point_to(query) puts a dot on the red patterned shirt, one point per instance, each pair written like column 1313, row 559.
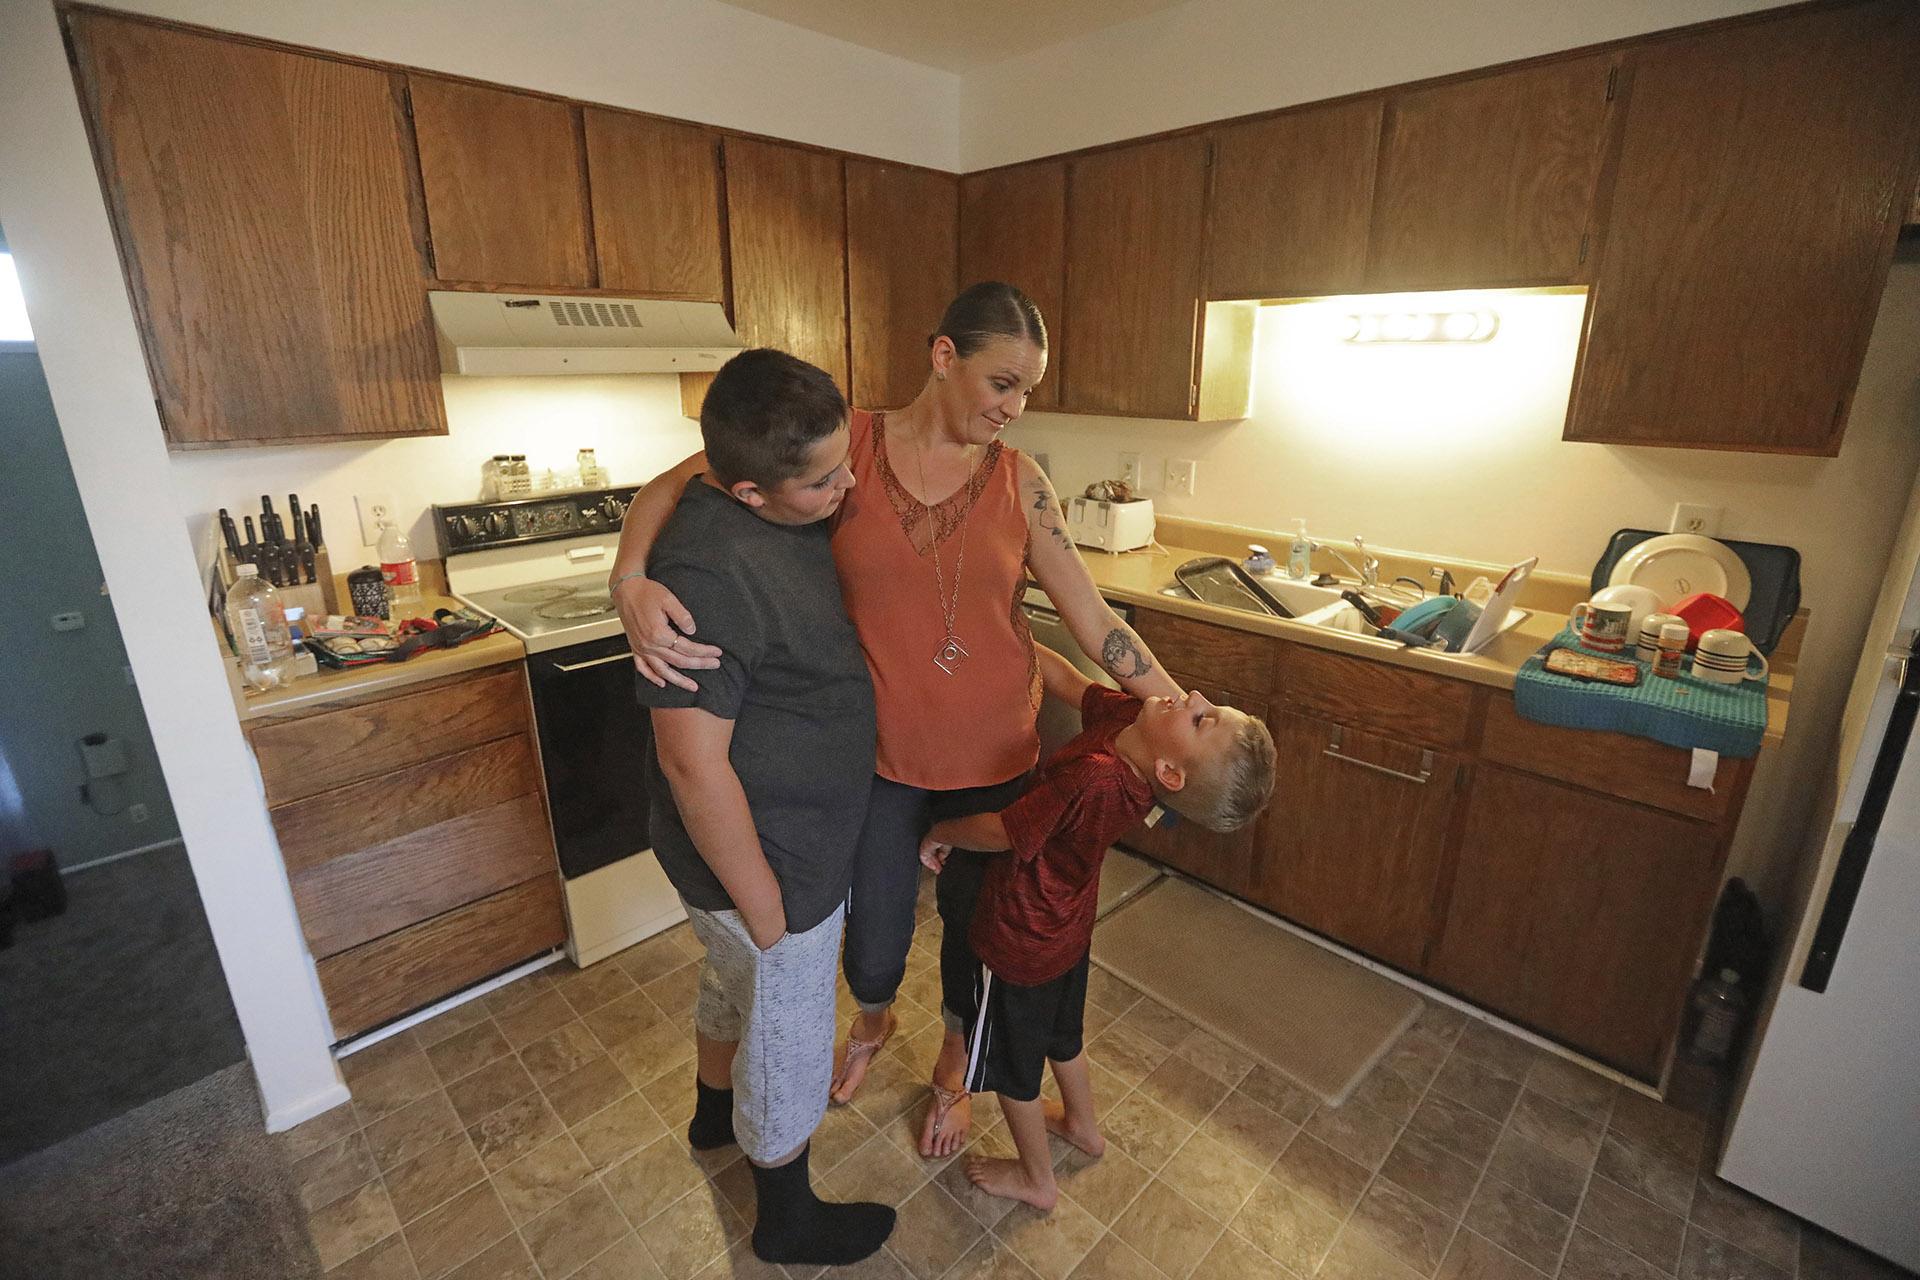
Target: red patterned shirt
column 1035, row 915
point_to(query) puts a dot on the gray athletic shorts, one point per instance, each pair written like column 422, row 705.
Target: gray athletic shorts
column 779, row 1005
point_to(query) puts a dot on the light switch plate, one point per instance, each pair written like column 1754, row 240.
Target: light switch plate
column 70, row 621
column 1692, row 517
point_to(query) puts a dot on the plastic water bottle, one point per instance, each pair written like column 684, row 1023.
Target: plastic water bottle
column 398, row 569
column 259, row 626
column 1718, row 1006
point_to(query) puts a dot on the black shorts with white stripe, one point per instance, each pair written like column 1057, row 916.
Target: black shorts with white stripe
column 1013, row 1031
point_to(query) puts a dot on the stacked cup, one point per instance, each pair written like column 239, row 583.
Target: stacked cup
column 1722, row 657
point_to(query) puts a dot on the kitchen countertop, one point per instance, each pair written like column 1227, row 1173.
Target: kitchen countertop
column 329, row 686
column 1135, row 578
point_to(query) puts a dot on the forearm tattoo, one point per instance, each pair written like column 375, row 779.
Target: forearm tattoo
column 1047, row 513
column 1121, row 655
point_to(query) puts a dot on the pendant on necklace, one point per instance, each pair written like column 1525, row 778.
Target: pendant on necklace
column 950, row 654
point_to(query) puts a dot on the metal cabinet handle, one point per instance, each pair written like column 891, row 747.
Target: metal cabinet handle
column 1419, row 779
column 593, row 662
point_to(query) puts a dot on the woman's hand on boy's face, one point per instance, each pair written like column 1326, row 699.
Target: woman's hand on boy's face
column 933, row 854
column 660, row 630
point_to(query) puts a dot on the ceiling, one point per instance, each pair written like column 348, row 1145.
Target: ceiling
column 958, row 37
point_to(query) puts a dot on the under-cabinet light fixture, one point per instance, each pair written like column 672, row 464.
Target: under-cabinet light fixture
column 1420, row 326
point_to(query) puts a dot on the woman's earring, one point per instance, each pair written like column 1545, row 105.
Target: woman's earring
column 940, row 374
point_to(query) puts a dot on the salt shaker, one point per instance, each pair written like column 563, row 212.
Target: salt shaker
column 1673, row 646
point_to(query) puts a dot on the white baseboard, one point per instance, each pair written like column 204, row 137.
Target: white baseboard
column 620, row 904
column 284, row 1118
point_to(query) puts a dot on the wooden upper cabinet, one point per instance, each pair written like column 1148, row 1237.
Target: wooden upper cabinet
column 1013, row 228
column 1491, row 181
column 902, row 233
column 506, row 187
column 1135, row 222
column 1292, row 198
column 656, row 205
column 787, row 231
column 1762, row 177
column 1578, row 914
column 270, row 232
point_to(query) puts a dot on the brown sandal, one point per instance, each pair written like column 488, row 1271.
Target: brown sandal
column 944, row 1101
column 859, row 1050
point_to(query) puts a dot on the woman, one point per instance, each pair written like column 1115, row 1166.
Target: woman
column 934, row 545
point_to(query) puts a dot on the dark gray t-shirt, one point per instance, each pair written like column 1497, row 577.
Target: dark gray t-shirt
column 794, row 682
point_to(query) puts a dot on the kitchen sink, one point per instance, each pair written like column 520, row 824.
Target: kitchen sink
column 1315, row 606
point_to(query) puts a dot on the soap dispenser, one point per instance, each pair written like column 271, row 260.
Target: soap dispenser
column 1259, row 561
column 1300, row 554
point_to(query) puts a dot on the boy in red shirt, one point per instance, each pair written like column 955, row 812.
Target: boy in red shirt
column 1032, row 920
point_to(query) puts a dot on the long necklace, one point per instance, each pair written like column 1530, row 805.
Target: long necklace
column 951, row 652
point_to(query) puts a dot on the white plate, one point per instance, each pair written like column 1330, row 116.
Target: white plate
column 1678, row 564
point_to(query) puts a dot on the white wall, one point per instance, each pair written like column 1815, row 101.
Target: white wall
column 1214, row 59
column 695, row 59
column 633, row 422
column 1456, row 451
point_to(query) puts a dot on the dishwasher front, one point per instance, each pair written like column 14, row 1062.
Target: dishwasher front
column 1058, row 723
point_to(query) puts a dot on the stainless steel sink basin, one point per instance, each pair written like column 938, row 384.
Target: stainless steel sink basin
column 1309, row 604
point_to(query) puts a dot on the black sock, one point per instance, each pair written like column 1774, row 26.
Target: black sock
column 712, row 1123
column 796, row 1226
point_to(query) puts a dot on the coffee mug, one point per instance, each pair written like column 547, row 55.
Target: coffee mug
column 1721, row 657
column 1649, row 641
column 1601, row 626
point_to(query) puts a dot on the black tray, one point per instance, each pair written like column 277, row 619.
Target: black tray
column 1775, row 571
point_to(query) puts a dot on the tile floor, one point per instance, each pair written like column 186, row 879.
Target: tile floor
column 539, row 1132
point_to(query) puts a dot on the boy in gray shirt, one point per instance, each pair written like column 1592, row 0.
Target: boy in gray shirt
column 759, row 783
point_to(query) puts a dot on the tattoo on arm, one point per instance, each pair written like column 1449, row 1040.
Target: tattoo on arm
column 1047, row 512
column 1121, row 656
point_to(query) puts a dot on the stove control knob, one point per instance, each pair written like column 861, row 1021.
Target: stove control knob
column 613, row 509
column 500, row 524
column 469, row 528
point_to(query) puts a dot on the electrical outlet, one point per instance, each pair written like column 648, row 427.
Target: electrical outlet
column 373, row 508
column 1130, row 470
column 136, row 813
column 1042, row 461
column 1689, row 517
column 1180, row 476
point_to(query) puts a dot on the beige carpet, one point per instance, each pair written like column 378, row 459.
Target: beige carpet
column 1318, row 1019
column 1121, row 876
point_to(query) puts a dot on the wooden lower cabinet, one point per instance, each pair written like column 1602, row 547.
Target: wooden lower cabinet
column 1578, row 914
column 415, row 835
column 1354, row 841
column 1223, row 861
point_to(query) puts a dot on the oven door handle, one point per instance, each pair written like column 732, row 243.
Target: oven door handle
column 593, row 662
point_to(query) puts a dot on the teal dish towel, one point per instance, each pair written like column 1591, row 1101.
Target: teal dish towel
column 1683, row 712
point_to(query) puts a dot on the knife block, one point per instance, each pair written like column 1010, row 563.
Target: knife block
column 319, row 598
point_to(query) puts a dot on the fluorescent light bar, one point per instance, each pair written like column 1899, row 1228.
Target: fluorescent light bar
column 1421, row 326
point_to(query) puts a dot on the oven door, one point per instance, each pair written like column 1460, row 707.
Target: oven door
column 594, row 739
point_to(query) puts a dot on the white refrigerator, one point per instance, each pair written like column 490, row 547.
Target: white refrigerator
column 1827, row 1120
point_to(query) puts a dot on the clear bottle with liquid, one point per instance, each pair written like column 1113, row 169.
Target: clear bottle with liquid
column 1717, row 1008
column 258, row 622
column 591, row 475
column 1300, row 554
column 397, row 567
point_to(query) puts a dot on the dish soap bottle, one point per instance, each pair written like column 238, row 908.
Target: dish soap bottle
column 1300, row 554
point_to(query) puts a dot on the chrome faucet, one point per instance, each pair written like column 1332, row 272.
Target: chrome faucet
column 1367, row 572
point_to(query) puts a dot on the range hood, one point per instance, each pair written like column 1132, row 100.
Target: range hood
column 534, row 333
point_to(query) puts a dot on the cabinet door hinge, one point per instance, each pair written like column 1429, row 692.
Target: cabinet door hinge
column 1613, row 82
column 1193, row 396
column 1586, row 240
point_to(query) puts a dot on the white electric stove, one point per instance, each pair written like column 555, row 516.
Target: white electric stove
column 539, row 566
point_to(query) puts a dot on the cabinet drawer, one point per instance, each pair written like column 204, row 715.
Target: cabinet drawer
column 414, row 877
column 339, row 822
column 402, row 971
column 1618, row 764
column 1236, row 659
column 303, row 757
column 1375, row 695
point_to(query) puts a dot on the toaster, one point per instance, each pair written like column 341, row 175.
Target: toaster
column 1110, row 526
